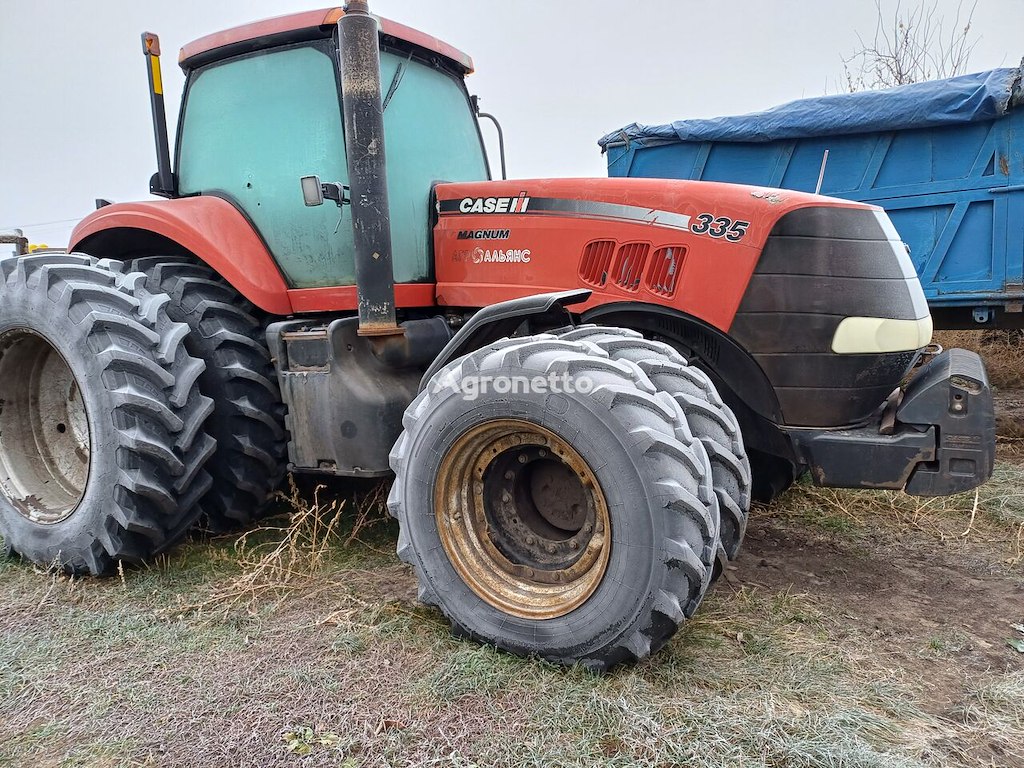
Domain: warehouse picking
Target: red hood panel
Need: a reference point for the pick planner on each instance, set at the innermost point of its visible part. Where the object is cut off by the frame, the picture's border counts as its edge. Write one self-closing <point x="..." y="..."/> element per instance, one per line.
<point x="504" y="239"/>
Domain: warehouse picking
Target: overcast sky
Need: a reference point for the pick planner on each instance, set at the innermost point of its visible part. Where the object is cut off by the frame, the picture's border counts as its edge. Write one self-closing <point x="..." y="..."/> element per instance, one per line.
<point x="74" y="111"/>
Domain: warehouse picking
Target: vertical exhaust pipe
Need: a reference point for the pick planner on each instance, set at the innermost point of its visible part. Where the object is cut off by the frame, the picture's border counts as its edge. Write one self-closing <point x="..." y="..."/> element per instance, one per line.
<point x="358" y="38"/>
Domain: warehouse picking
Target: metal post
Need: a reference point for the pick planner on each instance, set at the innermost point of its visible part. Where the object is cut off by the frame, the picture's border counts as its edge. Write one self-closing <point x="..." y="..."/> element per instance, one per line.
<point x="162" y="183"/>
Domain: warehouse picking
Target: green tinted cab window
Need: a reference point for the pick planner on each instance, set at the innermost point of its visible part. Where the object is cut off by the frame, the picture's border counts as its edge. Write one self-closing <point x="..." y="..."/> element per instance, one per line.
<point x="253" y="126"/>
<point x="431" y="135"/>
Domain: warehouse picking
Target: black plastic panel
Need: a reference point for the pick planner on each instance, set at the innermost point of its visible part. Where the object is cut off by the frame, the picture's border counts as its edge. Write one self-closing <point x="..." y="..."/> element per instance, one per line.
<point x="784" y="255"/>
<point x="862" y="371"/>
<point x="819" y="266"/>
<point x="837" y="224"/>
<point x="819" y="294"/>
<point x="344" y="405"/>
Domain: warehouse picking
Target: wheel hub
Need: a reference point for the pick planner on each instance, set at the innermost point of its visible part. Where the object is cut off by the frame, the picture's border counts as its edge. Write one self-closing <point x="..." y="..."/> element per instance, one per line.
<point x="44" y="429"/>
<point x="522" y="519"/>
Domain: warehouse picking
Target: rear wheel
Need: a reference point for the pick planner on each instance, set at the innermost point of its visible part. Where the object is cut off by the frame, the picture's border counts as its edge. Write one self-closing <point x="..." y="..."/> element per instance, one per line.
<point x="248" y="416"/>
<point x="101" y="441"/>
<point x="708" y="417"/>
<point x="575" y="522"/>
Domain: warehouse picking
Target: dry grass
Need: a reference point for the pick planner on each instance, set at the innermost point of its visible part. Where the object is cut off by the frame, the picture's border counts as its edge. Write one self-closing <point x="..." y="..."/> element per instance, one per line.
<point x="991" y="516"/>
<point x="300" y="644"/>
<point x="1002" y="350"/>
<point x="276" y="561"/>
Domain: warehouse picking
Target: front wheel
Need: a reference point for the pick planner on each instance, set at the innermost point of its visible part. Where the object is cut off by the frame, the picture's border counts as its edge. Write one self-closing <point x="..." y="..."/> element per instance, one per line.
<point x="708" y="417"/>
<point x="553" y="503"/>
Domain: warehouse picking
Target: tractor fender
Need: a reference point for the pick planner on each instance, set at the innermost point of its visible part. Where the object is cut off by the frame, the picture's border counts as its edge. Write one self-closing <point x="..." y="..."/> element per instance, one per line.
<point x="207" y="227"/>
<point x="541" y="312"/>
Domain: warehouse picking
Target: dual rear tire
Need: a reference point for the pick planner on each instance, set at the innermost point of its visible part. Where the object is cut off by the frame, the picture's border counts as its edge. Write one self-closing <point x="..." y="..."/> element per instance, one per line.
<point x="135" y="400"/>
<point x="102" y="447"/>
<point x="247" y="421"/>
<point x="554" y="501"/>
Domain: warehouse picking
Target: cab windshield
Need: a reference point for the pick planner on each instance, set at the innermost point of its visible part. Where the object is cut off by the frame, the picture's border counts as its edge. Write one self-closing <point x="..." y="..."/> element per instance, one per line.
<point x="253" y="125"/>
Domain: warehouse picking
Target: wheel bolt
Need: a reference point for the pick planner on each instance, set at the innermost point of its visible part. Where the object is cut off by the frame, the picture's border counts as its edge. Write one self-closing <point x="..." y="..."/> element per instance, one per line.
<point x="530" y="540"/>
<point x="551" y="549"/>
<point x="574" y="544"/>
<point x="510" y="475"/>
<point x="529" y="572"/>
<point x="542" y="453"/>
<point x="588" y="528"/>
<point x="506" y="497"/>
<point x="522" y="458"/>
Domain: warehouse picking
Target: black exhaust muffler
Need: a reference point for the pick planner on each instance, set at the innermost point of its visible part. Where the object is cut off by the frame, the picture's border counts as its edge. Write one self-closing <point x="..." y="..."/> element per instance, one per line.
<point x="358" y="39"/>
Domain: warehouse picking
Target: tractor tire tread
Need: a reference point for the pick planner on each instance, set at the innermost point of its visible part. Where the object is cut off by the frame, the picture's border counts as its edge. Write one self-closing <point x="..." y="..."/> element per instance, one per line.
<point x="136" y="363"/>
<point x="706" y="415"/>
<point x="247" y="420"/>
<point x="660" y="449"/>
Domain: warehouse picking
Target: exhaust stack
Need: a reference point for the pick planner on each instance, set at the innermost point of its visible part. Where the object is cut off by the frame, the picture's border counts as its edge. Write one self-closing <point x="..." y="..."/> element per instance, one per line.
<point x="358" y="37"/>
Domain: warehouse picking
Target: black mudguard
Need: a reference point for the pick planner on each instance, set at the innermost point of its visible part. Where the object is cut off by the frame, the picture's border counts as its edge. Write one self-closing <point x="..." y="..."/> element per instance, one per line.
<point x="537" y="314"/>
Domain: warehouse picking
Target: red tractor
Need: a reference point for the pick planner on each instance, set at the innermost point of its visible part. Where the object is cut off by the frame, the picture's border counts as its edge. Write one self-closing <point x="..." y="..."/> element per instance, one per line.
<point x="579" y="384"/>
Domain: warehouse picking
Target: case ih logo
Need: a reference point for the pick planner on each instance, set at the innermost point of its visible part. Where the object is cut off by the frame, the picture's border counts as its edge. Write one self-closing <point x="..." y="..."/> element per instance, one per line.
<point x="495" y="204"/>
<point x="484" y="234"/>
<point x="480" y="256"/>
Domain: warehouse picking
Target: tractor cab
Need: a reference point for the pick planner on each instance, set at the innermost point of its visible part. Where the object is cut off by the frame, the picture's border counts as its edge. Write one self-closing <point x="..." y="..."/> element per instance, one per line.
<point x="262" y="108"/>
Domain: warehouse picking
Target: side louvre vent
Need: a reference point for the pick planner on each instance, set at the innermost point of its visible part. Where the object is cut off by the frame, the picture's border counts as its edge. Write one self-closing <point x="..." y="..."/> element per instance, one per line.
<point x="666" y="266"/>
<point x="629" y="265"/>
<point x="597" y="258"/>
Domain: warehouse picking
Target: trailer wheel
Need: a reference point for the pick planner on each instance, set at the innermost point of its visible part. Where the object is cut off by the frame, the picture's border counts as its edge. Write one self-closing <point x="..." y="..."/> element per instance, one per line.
<point x="248" y="416"/>
<point x="575" y="525"/>
<point x="101" y="442"/>
<point x="709" y="418"/>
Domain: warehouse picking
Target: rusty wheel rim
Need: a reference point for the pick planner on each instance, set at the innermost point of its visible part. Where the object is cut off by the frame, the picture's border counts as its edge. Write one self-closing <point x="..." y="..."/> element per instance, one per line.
<point x="522" y="519"/>
<point x="44" y="429"/>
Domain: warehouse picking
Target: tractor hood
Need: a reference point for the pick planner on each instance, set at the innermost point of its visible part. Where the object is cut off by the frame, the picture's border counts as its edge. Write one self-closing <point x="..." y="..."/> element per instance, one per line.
<point x="652" y="202"/>
<point x="816" y="291"/>
<point x="606" y="234"/>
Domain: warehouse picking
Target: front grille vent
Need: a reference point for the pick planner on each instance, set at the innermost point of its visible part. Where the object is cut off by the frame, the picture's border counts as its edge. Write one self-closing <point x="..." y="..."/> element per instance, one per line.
<point x="629" y="265"/>
<point x="597" y="258"/>
<point x="666" y="267"/>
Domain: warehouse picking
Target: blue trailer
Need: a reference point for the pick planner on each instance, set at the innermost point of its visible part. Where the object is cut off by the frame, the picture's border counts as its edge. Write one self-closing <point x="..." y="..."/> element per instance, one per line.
<point x="944" y="158"/>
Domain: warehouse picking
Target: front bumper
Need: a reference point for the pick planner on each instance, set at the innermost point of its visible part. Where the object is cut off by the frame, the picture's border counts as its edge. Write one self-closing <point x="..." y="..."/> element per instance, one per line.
<point x="936" y="437"/>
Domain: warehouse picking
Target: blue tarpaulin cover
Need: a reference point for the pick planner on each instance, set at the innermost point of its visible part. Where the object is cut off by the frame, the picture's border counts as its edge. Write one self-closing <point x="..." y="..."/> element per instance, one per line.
<point x="965" y="99"/>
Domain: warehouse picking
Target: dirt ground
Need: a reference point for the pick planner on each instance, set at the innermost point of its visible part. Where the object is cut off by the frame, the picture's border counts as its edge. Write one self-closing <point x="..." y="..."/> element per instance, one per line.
<point x="1010" y="419"/>
<point x="896" y="598"/>
<point x="896" y="591"/>
<point x="852" y="631"/>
